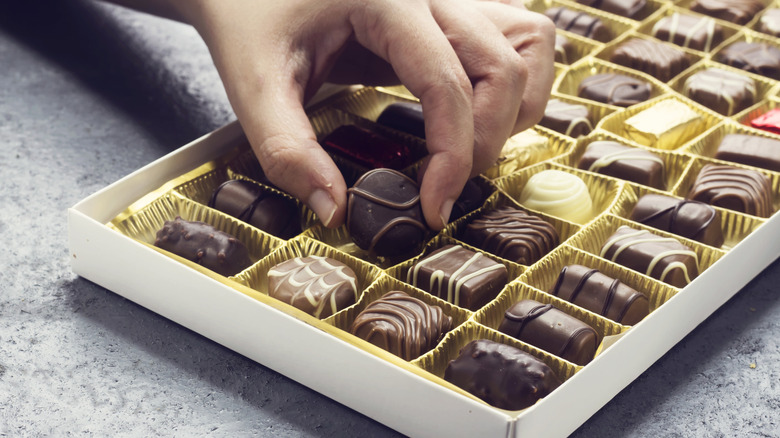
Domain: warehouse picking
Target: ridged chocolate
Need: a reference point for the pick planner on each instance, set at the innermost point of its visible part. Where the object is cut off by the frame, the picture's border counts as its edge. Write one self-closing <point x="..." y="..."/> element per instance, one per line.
<point x="751" y="150"/>
<point x="567" y="118"/>
<point x="579" y="23"/>
<point x="626" y="8"/>
<point x="614" y="89"/>
<point x="652" y="57"/>
<point x="733" y="11"/>
<point x="260" y="208"/>
<point x="368" y="149"/>
<point x="320" y="286"/>
<point x="402" y="325"/>
<point x="690" y="219"/>
<point x="501" y="375"/>
<point x="698" y="33"/>
<point x="663" y="258"/>
<point x="624" y="162"/>
<point x="607" y="296"/>
<point x="512" y="234"/>
<point x="732" y="188"/>
<point x="460" y="276"/>
<point x="551" y="330"/>
<point x="204" y="245"/>
<point x="404" y="116"/>
<point x="720" y="90"/>
<point x="754" y="57"/>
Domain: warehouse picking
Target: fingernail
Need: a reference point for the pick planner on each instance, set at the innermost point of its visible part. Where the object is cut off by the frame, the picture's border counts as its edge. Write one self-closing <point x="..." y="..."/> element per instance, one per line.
<point x="446" y="210"/>
<point x="322" y="204"/>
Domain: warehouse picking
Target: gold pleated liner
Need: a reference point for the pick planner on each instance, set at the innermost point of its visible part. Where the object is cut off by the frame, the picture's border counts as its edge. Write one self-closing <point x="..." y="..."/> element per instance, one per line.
<point x="686" y="4"/>
<point x="646" y="28"/>
<point x="756" y="111"/>
<point x="749" y="36"/>
<point x="707" y="145"/>
<point x="593" y="238"/>
<point x="398" y="90"/>
<point x="569" y="82"/>
<point x="581" y="47"/>
<point x="368" y="103"/>
<point x="603" y="191"/>
<point x="596" y="111"/>
<point x="674" y="163"/>
<point x="615" y="23"/>
<point x="615" y="123"/>
<point x="686" y="182"/>
<point x="735" y="226"/>
<point x="558" y="145"/>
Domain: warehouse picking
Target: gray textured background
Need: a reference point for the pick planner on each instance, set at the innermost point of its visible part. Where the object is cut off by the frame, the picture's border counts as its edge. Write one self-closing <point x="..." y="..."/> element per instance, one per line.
<point x="89" y="93"/>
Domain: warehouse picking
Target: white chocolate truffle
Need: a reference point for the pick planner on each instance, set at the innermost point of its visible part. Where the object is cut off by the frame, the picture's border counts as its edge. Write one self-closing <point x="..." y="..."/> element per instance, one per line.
<point x="559" y="194"/>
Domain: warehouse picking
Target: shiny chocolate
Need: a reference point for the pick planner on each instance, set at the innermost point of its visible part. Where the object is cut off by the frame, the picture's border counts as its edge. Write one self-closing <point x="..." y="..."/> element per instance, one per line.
<point x="564" y="50"/>
<point x="567" y="118"/>
<point x="666" y="125"/>
<point x="751" y="150"/>
<point x="744" y="190"/>
<point x="471" y="198"/>
<point x="405" y="117"/>
<point x="754" y="57"/>
<point x="733" y="11"/>
<point x="580" y="23"/>
<point x="368" y="149"/>
<point x="614" y="89"/>
<point x="657" y="59"/>
<point x="720" y="90"/>
<point x="770" y="22"/>
<point x="690" y="219"/>
<point x="624" y="162"/>
<point x="698" y="33"/>
<point x="261" y="208"/>
<point x="559" y="194"/>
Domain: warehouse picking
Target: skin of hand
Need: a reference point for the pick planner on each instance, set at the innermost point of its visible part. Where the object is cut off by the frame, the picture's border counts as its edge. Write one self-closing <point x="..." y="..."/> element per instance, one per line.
<point x="482" y="70"/>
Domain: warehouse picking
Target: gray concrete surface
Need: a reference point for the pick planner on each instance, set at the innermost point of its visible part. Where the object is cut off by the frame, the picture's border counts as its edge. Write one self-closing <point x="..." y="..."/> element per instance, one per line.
<point x="89" y="93"/>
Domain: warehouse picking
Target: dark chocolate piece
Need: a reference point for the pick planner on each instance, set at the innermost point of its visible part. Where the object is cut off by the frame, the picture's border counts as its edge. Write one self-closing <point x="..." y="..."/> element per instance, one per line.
<point x="723" y="91"/>
<point x="751" y="150"/>
<point x="633" y="9"/>
<point x="567" y="118"/>
<point x="470" y="199"/>
<point x="501" y="375"/>
<point x="655" y="58"/>
<point x="402" y="325"/>
<point x="734" y="11"/>
<point x="690" y="219"/>
<point x="732" y="188"/>
<point x="579" y="23"/>
<point x="607" y="296"/>
<point x="770" y="22"/>
<point x="512" y="234"/>
<point x="698" y="33"/>
<point x="204" y="245"/>
<point x="551" y="330"/>
<point x="624" y="162"/>
<point x="367" y="148"/>
<point x="405" y="117"/>
<point x="769" y="121"/>
<point x="320" y="286"/>
<point x="384" y="214"/>
<point x="614" y="89"/>
<point x="759" y="58"/>
<point x="462" y="277"/>
<point x="663" y="258"/>
<point x="260" y="208"/>
<point x="564" y="50"/>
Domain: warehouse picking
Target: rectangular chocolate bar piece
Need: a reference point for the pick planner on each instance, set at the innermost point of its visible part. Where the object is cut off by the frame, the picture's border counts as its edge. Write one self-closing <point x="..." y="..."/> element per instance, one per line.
<point x="652" y="57"/>
<point x="690" y="219"/>
<point x="624" y="162"/>
<point x="698" y="33"/>
<point x="751" y="150"/>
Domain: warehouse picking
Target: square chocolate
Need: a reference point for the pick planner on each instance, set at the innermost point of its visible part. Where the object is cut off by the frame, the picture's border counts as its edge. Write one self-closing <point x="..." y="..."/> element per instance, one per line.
<point x="720" y="90"/>
<point x="655" y="58"/>
<point x="624" y="162"/>
<point x="751" y="150"/>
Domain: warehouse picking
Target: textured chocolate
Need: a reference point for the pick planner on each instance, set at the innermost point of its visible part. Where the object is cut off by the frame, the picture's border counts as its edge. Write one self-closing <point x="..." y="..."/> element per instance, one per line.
<point x="567" y="118"/>
<point x="460" y="276"/>
<point x="751" y="150"/>
<point x="690" y="219"/>
<point x="501" y="375"/>
<point x="633" y="9"/>
<point x="260" y="208"/>
<point x="564" y="49"/>
<point x="614" y="89"/>
<point x="769" y="121"/>
<point x="559" y="194"/>
<point x="770" y="22"/>
<point x="624" y="162"/>
<point x="384" y="214"/>
<point x="599" y="293"/>
<point x="759" y="58"/>
<point x="663" y="258"/>
<point x="723" y="91"/>
<point x="579" y="23"/>
<point x="698" y="33"/>
<point x="205" y="245"/>
<point x="367" y="148"/>
<point x="471" y="198"/>
<point x="512" y="234"/>
<point x="552" y="330"/>
<point x="732" y="188"/>
<point x="655" y="58"/>
<point x="733" y="11"/>
<point x="320" y="286"/>
<point x="402" y="325"/>
<point x="405" y="117"/>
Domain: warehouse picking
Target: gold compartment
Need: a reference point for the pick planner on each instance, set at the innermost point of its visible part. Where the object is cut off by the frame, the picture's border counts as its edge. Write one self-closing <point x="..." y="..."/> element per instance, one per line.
<point x="521" y="151"/>
<point x="569" y="82"/>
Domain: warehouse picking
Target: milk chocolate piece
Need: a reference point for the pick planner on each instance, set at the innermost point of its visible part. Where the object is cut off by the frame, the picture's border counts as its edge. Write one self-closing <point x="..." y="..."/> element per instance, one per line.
<point x="260" y="208"/>
<point x="751" y="150"/>
<point x="579" y="23"/>
<point x="205" y="245"/>
<point x="734" y="11"/>
<point x="770" y="22"/>
<point x="663" y="258"/>
<point x="567" y="118"/>
<point x="368" y="149"/>
<point x="405" y="117"/>
<point x="769" y="121"/>
<point x="652" y="57"/>
<point x="624" y="162"/>
<point x="732" y="188"/>
<point x="512" y="234"/>
<point x="633" y="9"/>
<point x="614" y="89"/>
<point x="470" y="199"/>
<point x="698" y="33"/>
<point x="559" y="194"/>
<point x="564" y="49"/>
<point x="402" y="325"/>
<point x="759" y="58"/>
<point x="320" y="286"/>
<point x="723" y="91"/>
<point x="690" y="219"/>
<point x="501" y="375"/>
<point x="607" y="296"/>
<point x="384" y="214"/>
<point x="459" y="276"/>
<point x="666" y="125"/>
<point x="551" y="330"/>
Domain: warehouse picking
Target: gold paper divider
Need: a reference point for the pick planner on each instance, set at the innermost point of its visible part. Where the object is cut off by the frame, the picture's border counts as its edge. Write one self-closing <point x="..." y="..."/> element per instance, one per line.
<point x="580" y="47"/>
<point x="750" y="36"/>
<point x="596" y="110"/>
<point x="398" y="90"/>
<point x="686" y="4"/>
<point x="746" y="117"/>
<point x="707" y="145"/>
<point x="615" y="23"/>
<point x="603" y="191"/>
<point x="728" y="29"/>
<point x="674" y="163"/>
<point x="668" y="140"/>
<point x="532" y="146"/>
<point x="569" y="82"/>
<point x="368" y="102"/>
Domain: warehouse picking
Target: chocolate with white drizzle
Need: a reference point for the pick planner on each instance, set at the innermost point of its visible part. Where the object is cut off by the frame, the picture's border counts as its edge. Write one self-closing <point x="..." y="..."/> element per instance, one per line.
<point x="744" y="190"/>
<point x="624" y="162"/>
<point x="460" y="276"/>
<point x="320" y="286"/>
<point x="721" y="90"/>
<point x="698" y="33"/>
<point x="551" y="330"/>
<point x="663" y="258"/>
<point x="614" y="89"/>
<point x="690" y="219"/>
<point x="567" y="118"/>
<point x="607" y="296"/>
